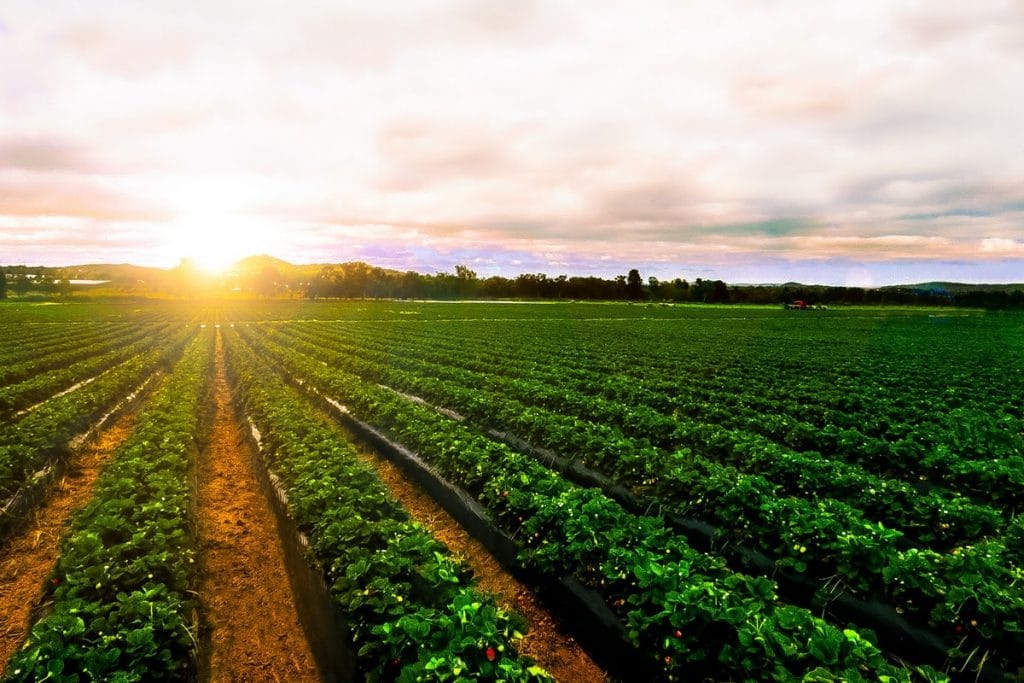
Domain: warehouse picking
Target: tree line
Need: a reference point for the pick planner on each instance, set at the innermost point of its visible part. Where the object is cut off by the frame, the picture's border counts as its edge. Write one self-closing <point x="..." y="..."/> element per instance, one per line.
<point x="359" y="280"/>
<point x="21" y="281"/>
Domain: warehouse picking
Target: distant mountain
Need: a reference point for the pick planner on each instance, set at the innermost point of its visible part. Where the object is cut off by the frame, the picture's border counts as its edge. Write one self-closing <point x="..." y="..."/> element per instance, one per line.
<point x="260" y="261"/>
<point x="254" y="265"/>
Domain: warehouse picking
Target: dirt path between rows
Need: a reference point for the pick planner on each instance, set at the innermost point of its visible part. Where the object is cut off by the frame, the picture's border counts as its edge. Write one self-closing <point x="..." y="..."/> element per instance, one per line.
<point x="251" y="626"/>
<point x="557" y="652"/>
<point x="31" y="553"/>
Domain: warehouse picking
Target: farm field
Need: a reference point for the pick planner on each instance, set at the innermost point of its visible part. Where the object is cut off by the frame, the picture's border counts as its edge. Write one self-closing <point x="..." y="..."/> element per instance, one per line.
<point x="628" y="492"/>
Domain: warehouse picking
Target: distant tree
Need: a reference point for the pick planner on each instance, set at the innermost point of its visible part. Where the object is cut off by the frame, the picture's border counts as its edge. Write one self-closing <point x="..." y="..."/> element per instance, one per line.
<point x="680" y="289"/>
<point x="532" y="285"/>
<point x="467" y="282"/>
<point x="318" y="284"/>
<point x="63" y="287"/>
<point x="593" y="288"/>
<point x="410" y="284"/>
<point x="22" y="284"/>
<point x="560" y="284"/>
<point x="442" y="286"/>
<point x="266" y="280"/>
<point x="634" y="285"/>
<point x="719" y="292"/>
<point x="497" y="287"/>
<point x="702" y="290"/>
<point x="44" y="283"/>
<point x="3" y="284"/>
<point x="620" y="287"/>
<point x="357" y="279"/>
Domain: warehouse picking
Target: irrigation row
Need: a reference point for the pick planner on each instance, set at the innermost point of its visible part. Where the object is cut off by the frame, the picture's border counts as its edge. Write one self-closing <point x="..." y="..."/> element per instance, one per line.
<point x="367" y="400"/>
<point x="895" y="634"/>
<point x="231" y="573"/>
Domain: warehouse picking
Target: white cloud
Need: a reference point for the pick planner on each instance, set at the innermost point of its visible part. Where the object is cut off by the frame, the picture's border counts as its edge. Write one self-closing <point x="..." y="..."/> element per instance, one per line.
<point x="1003" y="247"/>
<point x="697" y="131"/>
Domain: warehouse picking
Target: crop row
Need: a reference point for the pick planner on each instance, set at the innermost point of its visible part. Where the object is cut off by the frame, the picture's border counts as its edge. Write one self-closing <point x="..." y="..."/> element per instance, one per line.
<point x="22" y="342"/>
<point x="28" y="442"/>
<point x="907" y="395"/>
<point x="889" y="390"/>
<point x="684" y="609"/>
<point x="933" y="517"/>
<point x="63" y="350"/>
<point x="119" y="605"/>
<point x="975" y="447"/>
<point x="83" y="315"/>
<point x="972" y="594"/>
<point x="51" y="377"/>
<point x="580" y="425"/>
<point x="411" y="607"/>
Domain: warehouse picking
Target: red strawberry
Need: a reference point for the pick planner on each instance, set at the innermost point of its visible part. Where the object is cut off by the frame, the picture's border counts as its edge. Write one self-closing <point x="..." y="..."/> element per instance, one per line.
<point x="491" y="654"/>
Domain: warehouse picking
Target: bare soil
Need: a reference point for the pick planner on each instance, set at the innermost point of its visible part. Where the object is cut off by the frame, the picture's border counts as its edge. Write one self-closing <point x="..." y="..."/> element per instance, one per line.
<point x="546" y="642"/>
<point x="30" y="555"/>
<point x="251" y="626"/>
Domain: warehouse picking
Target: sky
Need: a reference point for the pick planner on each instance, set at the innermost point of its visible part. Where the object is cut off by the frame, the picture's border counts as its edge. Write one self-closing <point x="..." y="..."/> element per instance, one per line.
<point x="856" y="143"/>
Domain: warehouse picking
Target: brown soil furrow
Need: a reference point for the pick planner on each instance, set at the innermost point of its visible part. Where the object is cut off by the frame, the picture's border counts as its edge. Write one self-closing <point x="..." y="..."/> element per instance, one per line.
<point x="31" y="553"/>
<point x="557" y="652"/>
<point x="251" y="626"/>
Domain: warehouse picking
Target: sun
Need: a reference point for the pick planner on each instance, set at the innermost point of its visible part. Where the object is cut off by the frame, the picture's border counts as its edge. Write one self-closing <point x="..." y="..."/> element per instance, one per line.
<point x="214" y="226"/>
<point x="213" y="242"/>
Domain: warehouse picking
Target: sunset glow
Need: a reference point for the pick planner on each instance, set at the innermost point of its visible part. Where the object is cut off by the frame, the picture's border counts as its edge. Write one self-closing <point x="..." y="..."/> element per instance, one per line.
<point x="212" y="242"/>
<point x="822" y="142"/>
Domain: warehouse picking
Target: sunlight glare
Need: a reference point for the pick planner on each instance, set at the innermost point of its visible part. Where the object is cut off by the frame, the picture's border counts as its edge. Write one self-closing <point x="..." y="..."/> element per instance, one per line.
<point x="212" y="242"/>
<point x="213" y="228"/>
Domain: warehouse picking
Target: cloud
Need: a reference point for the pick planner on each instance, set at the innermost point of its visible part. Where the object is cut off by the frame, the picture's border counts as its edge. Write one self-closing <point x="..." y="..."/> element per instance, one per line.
<point x="935" y="27"/>
<point x="956" y="212"/>
<point x="687" y="135"/>
<point x="1005" y="248"/>
<point x="30" y="195"/>
<point x="417" y="155"/>
<point x="42" y="153"/>
<point x="788" y="97"/>
<point x="373" y="40"/>
<point x="70" y="235"/>
<point x="146" y="49"/>
<point x="67" y="241"/>
<point x="650" y="201"/>
<point x="779" y="227"/>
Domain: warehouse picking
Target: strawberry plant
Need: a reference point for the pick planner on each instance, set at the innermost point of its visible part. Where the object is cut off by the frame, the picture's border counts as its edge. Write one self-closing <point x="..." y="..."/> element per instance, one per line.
<point x="411" y="607"/>
<point x="563" y="528"/>
<point x="119" y="600"/>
